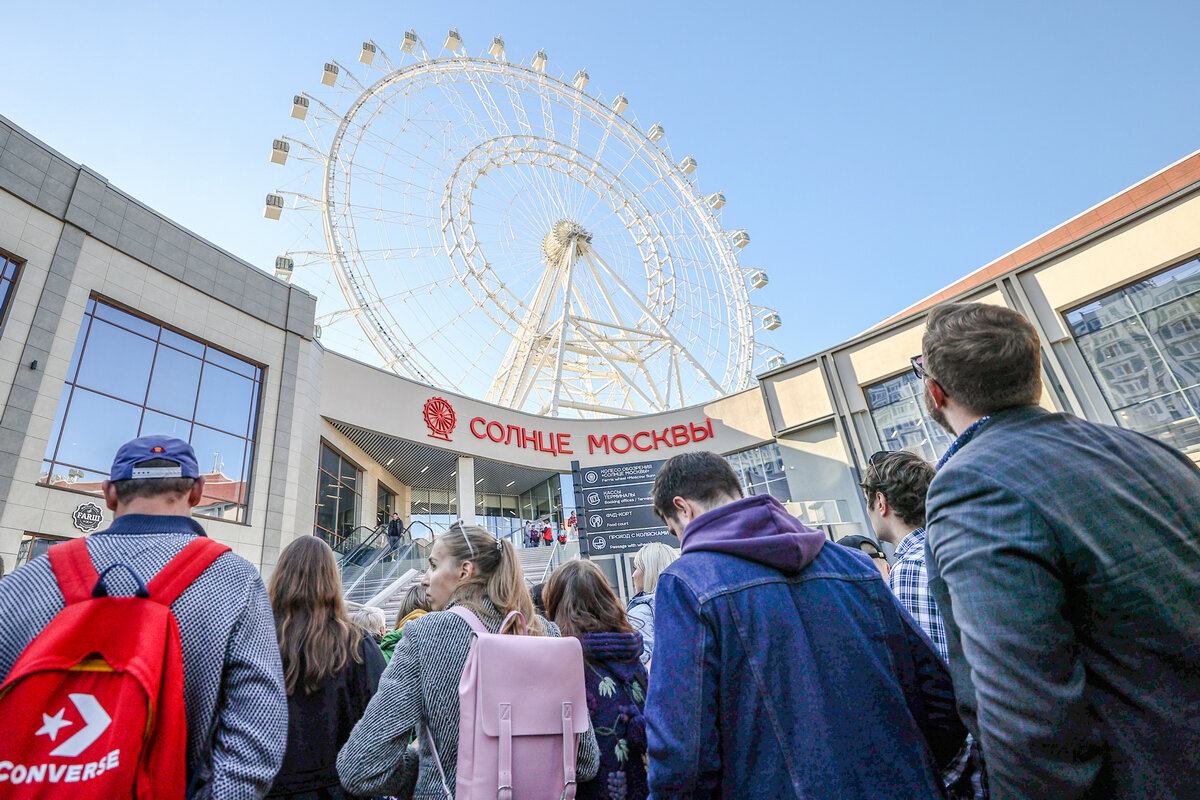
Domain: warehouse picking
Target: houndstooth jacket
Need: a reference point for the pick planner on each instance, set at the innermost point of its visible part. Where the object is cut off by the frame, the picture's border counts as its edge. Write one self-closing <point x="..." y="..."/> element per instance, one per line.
<point x="421" y="684"/>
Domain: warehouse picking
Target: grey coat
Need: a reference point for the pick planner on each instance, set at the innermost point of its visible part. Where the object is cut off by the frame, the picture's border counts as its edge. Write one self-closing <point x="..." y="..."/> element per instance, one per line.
<point x="641" y="616"/>
<point x="1063" y="556"/>
<point x="421" y="685"/>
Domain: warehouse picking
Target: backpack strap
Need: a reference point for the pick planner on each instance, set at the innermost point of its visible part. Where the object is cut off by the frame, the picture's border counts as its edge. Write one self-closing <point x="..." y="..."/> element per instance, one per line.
<point x="74" y="570"/>
<point x="471" y="619"/>
<point x="569" y="748"/>
<point x="184" y="568"/>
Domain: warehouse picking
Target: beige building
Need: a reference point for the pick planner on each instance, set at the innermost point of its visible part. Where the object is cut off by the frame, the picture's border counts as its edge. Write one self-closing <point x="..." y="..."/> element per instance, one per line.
<point x="114" y="321"/>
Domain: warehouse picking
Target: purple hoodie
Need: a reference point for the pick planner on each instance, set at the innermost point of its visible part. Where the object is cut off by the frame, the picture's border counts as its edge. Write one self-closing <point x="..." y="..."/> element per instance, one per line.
<point x="758" y="529"/>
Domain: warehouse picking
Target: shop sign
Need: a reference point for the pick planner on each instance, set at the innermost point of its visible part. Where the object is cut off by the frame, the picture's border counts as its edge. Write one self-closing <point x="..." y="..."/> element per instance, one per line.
<point x="621" y="443"/>
<point x="87" y="517"/>
<point x="617" y="508"/>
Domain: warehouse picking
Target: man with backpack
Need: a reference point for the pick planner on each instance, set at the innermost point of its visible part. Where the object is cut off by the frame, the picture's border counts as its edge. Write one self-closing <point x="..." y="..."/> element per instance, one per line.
<point x="779" y="660"/>
<point x="156" y="671"/>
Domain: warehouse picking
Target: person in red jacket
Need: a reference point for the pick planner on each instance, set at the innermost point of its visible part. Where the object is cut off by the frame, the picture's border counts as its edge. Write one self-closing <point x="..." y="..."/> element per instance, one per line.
<point x="548" y="535"/>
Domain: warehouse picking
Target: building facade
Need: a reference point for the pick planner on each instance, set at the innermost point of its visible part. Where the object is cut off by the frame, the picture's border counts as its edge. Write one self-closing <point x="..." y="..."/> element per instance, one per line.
<point x="116" y="322"/>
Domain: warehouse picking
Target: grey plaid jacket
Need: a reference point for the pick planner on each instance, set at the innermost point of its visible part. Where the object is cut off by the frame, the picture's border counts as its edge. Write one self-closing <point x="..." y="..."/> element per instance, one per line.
<point x="232" y="677"/>
<point x="1065" y="559"/>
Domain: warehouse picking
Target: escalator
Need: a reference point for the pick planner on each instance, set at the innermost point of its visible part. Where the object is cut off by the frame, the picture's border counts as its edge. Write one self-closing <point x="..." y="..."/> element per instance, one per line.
<point x="374" y="567"/>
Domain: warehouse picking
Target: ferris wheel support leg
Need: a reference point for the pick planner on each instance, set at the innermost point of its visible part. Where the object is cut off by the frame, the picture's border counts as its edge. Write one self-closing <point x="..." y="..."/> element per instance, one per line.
<point x="566" y="268"/>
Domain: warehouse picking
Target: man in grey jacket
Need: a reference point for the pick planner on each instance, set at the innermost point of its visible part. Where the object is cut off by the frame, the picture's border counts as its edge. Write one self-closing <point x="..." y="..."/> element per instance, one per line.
<point x="1063" y="556"/>
<point x="233" y="686"/>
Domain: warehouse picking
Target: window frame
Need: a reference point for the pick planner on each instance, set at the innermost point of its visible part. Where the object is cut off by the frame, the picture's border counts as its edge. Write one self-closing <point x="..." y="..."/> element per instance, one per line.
<point x="357" y="491"/>
<point x="1090" y="328"/>
<point x="921" y="410"/>
<point x="18" y="270"/>
<point x="254" y="416"/>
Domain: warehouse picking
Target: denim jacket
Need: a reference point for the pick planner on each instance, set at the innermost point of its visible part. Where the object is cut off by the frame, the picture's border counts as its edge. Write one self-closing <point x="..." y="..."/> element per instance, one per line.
<point x="801" y="679"/>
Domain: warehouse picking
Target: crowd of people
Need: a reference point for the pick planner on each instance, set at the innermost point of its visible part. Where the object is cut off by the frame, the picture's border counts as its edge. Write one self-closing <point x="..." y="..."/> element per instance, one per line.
<point x="1035" y="633"/>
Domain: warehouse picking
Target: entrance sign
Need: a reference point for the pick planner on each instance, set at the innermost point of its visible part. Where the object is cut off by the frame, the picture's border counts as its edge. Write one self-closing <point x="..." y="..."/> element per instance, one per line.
<point x="617" y="508"/>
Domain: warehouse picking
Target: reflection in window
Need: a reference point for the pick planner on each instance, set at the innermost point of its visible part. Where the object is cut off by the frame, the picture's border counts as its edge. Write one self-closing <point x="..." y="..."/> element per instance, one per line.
<point x="337" y="496"/>
<point x="1142" y="343"/>
<point x="385" y="504"/>
<point x="8" y="283"/>
<point x="131" y="377"/>
<point x="898" y="410"/>
<point x="761" y="471"/>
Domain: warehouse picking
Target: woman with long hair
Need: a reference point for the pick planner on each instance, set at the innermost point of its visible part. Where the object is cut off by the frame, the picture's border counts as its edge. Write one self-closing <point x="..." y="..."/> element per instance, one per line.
<point x="330" y="666"/>
<point x="468" y="567"/>
<point x="648" y="564"/>
<point x="580" y="601"/>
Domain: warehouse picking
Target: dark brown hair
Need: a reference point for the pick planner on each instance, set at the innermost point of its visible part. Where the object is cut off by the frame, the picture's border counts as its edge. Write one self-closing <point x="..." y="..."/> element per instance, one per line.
<point x="498" y="574"/>
<point x="315" y="636"/>
<point x="904" y="479"/>
<point x="579" y="600"/>
<point x="702" y="477"/>
<point x="152" y="487"/>
<point x="986" y="357"/>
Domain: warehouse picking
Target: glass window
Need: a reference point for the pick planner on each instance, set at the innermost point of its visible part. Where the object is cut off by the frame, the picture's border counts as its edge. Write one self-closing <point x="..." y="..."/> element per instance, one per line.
<point x="9" y="269"/>
<point x="337" y="497"/>
<point x="130" y="376"/>
<point x="898" y="411"/>
<point x="1142" y="344"/>
<point x="385" y="503"/>
<point x="761" y="471"/>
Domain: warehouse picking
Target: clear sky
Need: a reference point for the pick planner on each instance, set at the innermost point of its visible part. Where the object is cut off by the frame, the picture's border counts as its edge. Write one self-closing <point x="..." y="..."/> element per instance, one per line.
<point x="875" y="151"/>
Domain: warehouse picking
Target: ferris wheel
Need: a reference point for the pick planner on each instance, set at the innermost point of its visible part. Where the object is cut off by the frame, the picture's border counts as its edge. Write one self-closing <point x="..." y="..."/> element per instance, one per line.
<point x="491" y="229"/>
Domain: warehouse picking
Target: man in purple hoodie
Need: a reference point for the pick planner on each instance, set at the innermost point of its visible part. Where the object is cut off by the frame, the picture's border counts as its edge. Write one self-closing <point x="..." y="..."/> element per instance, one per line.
<point x="780" y="661"/>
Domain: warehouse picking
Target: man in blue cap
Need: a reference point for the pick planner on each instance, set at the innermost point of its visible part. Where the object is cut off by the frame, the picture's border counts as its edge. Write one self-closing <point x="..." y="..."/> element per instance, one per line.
<point x="233" y="688"/>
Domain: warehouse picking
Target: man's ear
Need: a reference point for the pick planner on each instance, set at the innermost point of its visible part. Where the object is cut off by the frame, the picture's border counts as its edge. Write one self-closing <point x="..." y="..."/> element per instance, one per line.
<point x="196" y="493"/>
<point x="881" y="504"/>
<point x="935" y="391"/>
<point x="110" y="495"/>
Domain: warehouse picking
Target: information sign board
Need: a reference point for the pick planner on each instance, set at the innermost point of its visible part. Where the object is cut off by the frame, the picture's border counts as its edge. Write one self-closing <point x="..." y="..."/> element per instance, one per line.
<point x="617" y="511"/>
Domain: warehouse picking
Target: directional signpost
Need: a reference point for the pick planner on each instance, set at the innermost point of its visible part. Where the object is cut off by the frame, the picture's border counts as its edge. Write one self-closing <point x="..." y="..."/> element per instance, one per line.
<point x="617" y="509"/>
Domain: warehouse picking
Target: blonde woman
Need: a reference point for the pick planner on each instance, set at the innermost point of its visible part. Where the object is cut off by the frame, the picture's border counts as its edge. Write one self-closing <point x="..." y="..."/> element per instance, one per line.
<point x="469" y="567"/>
<point x="648" y="564"/>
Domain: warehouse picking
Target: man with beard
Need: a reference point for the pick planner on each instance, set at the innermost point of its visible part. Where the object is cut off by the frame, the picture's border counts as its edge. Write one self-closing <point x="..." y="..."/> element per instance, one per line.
<point x="1063" y="556"/>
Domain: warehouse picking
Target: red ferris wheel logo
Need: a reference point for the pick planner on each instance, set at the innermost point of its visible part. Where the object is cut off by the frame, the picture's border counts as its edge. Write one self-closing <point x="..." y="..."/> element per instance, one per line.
<point x="439" y="416"/>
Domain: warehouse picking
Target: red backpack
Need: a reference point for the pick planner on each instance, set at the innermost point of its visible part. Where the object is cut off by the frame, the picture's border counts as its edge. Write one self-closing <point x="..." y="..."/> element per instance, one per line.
<point x="93" y="708"/>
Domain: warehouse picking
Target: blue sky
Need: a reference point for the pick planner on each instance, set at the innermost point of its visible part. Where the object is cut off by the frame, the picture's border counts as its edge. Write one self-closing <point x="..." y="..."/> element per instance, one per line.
<point x="875" y="151"/>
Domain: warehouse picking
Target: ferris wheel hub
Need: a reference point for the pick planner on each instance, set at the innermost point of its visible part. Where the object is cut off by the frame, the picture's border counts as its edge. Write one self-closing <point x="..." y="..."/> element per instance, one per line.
<point x="561" y="234"/>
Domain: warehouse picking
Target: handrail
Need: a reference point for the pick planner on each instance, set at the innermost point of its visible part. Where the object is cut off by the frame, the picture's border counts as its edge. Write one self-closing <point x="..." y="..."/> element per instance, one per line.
<point x="358" y="548"/>
<point x="549" y="563"/>
<point x="382" y="596"/>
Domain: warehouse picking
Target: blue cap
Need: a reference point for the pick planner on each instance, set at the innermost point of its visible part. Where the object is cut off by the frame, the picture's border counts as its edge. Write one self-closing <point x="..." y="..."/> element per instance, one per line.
<point x="145" y="448"/>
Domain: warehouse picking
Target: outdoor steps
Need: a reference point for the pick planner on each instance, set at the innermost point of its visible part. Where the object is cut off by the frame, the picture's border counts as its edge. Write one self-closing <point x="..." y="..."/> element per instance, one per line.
<point x="534" y="561"/>
<point x="391" y="606"/>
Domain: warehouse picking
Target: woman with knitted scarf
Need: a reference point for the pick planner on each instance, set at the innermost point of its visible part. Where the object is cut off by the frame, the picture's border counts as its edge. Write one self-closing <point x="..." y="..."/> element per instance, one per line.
<point x="580" y="601"/>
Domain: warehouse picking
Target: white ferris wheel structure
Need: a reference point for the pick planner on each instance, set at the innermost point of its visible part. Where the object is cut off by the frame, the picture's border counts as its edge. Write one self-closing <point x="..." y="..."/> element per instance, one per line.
<point x="492" y="229"/>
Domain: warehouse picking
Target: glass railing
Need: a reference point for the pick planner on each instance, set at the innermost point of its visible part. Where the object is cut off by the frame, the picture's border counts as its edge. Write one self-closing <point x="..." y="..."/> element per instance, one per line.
<point x="379" y="565"/>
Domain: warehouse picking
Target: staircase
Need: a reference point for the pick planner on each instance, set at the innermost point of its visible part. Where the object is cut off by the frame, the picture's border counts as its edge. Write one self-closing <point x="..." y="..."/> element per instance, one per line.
<point x="534" y="561"/>
<point x="391" y="606"/>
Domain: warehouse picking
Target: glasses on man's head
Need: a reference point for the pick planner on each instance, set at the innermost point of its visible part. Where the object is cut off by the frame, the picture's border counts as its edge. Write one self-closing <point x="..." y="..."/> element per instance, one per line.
<point x="877" y="457"/>
<point x="919" y="367"/>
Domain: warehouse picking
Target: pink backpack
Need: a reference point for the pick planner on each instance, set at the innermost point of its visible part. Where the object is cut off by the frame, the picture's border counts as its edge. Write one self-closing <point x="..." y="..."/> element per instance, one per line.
<point x="522" y="707"/>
